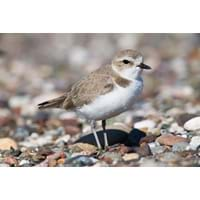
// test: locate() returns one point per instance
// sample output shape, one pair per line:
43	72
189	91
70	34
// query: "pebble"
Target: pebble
150	162
130	156
183	118
56	132
148	139
35	140
4	165
121	126
7	144
154	131
64	139
145	124
179	147
83	147
113	156
195	142
10	160
169	157
143	150
156	149
81	161
175	128
193	124
21	133
170	139
24	162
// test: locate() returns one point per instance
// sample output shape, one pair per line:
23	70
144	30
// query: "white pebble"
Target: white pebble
145	124
195	142
193	124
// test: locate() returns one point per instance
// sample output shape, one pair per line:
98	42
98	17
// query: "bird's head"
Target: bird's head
129	64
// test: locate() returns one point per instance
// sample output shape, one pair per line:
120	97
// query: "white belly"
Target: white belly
113	103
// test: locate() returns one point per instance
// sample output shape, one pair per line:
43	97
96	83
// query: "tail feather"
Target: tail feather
53	103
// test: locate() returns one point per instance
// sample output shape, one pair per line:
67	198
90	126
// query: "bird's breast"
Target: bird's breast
112	103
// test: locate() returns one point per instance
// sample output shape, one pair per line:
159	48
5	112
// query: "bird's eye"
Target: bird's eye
126	61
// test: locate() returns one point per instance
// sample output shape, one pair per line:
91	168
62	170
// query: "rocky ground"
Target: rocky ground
163	129
58	138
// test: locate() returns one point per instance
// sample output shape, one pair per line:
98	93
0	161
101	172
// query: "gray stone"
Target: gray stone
179	147
169	157
156	149
81	161
21	133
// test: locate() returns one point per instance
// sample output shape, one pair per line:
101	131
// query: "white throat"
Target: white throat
130	73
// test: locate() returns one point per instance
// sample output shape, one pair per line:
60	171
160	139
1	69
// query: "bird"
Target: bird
106	92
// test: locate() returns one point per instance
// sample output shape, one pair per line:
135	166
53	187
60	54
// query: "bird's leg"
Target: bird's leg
105	134
93	126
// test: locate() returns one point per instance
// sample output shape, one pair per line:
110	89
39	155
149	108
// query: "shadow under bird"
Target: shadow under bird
106	92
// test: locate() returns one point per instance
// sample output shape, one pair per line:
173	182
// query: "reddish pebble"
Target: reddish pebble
170	139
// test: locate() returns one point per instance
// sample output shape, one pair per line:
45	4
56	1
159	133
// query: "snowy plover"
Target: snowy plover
106	92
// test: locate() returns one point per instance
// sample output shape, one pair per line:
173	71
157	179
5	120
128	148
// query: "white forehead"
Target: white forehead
137	60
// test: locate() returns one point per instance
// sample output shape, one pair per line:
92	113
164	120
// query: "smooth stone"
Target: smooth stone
131	156
150	162
81	161
7	144
134	137
183	118
179	147
64	139
24	162
12	161
156	149
175	128
154	131
120	126
21	133
149	124
87	148
148	139
169	157
114	156
143	150
170	139
193	124
35	140
114	137
195	142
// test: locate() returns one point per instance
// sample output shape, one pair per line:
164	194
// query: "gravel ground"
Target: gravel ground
163	129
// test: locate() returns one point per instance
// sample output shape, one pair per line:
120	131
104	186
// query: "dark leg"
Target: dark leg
104	133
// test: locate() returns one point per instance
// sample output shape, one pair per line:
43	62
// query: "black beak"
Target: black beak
143	66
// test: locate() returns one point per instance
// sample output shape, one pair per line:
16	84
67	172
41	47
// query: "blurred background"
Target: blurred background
35	64
35	67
